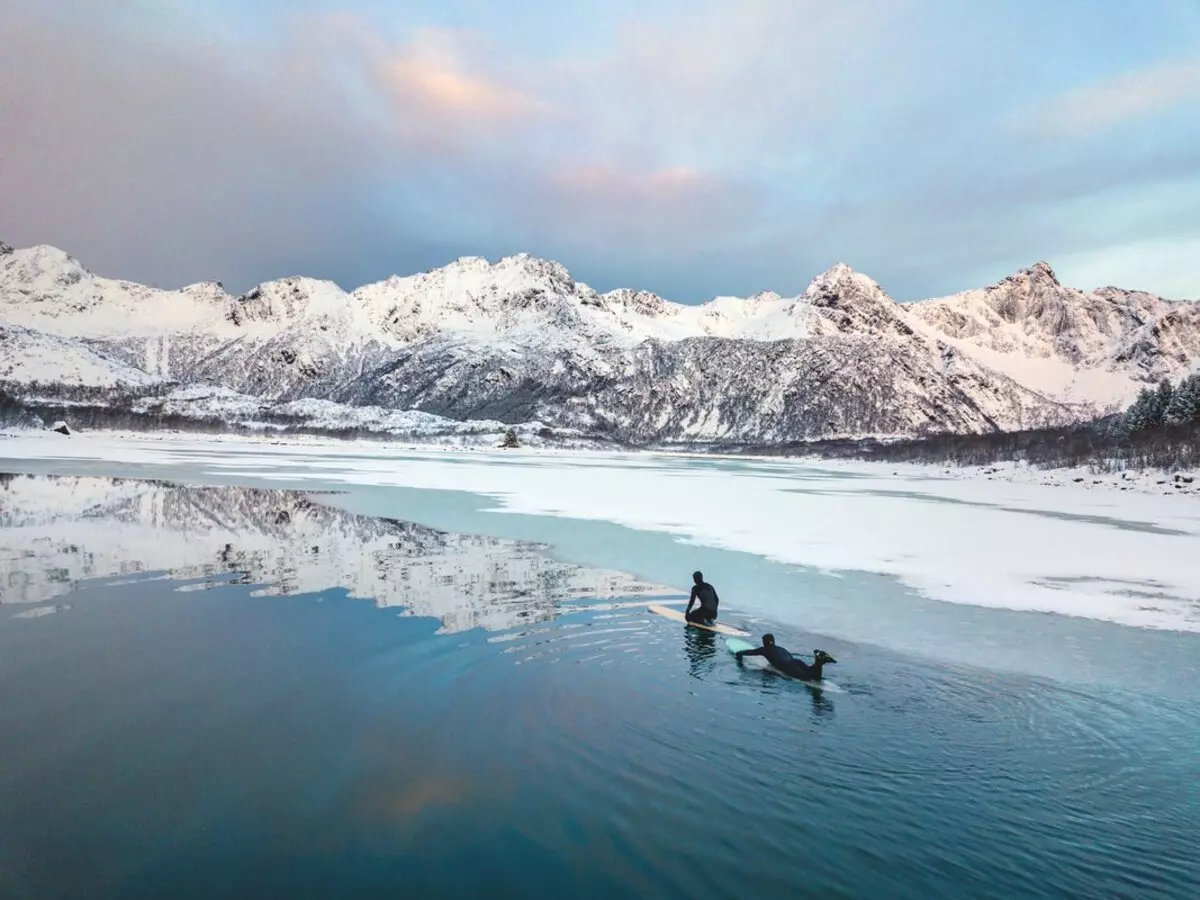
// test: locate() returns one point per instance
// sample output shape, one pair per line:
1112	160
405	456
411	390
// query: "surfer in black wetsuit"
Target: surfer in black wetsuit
706	595
782	660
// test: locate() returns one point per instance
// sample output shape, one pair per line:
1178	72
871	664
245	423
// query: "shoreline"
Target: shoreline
1152	481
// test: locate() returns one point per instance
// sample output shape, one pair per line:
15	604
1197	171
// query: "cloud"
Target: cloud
434	91
428	76
1139	94
690	148
325	150
760	78
168	160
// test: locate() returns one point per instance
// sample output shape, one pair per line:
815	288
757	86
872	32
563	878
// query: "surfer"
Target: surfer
781	659
706	595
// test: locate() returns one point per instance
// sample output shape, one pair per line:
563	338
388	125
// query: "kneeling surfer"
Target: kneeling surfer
706	594
782	660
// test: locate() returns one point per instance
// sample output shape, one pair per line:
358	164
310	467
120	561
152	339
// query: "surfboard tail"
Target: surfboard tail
680	617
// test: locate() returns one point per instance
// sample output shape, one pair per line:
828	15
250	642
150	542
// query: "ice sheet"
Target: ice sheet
1126	558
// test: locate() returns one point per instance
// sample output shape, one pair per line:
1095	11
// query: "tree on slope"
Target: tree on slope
1149	410
1184	407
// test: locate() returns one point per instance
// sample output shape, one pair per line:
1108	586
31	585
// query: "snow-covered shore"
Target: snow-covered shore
484	439
1076	478
205	412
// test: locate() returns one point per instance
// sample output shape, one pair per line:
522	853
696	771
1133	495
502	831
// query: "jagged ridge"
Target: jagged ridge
520	340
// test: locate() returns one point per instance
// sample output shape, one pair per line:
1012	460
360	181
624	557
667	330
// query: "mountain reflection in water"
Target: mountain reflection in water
58	531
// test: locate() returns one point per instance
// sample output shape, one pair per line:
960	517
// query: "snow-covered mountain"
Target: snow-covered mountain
1096	347
520	341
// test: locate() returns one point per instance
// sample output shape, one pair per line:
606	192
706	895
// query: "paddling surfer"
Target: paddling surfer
781	659
706	595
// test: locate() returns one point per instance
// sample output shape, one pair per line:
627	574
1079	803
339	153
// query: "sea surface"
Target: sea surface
220	689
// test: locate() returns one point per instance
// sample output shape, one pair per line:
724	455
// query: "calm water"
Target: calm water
248	693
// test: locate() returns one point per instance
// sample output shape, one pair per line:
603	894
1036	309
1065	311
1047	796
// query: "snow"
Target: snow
320	307
518	297
1066	343
1075	478
33	357
43	287
1047	374
1069	550
205	403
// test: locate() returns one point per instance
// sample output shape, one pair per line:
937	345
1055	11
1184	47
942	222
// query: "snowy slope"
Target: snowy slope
29	357
519	340
846	360
1099	347
202	403
42	287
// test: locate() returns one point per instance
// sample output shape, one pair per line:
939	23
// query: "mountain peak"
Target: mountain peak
202	287
48	254
644	303
1039	273
42	271
839	285
5	249
537	267
837	271
481	273
288	299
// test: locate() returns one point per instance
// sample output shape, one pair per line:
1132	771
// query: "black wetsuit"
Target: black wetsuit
706	612
780	659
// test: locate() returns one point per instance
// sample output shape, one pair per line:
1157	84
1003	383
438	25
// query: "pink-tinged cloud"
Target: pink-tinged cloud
431	89
1132	95
428	76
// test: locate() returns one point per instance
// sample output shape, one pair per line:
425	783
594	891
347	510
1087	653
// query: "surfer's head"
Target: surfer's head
698	577
768	640
820	656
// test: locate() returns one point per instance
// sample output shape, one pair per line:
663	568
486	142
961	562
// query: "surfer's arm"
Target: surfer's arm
757	651
691	600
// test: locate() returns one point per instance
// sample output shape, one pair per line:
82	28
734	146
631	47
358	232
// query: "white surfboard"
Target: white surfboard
678	616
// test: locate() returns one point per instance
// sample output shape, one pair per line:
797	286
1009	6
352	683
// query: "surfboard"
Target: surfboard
734	645
678	616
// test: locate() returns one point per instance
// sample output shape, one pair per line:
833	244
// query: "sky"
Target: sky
694	149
